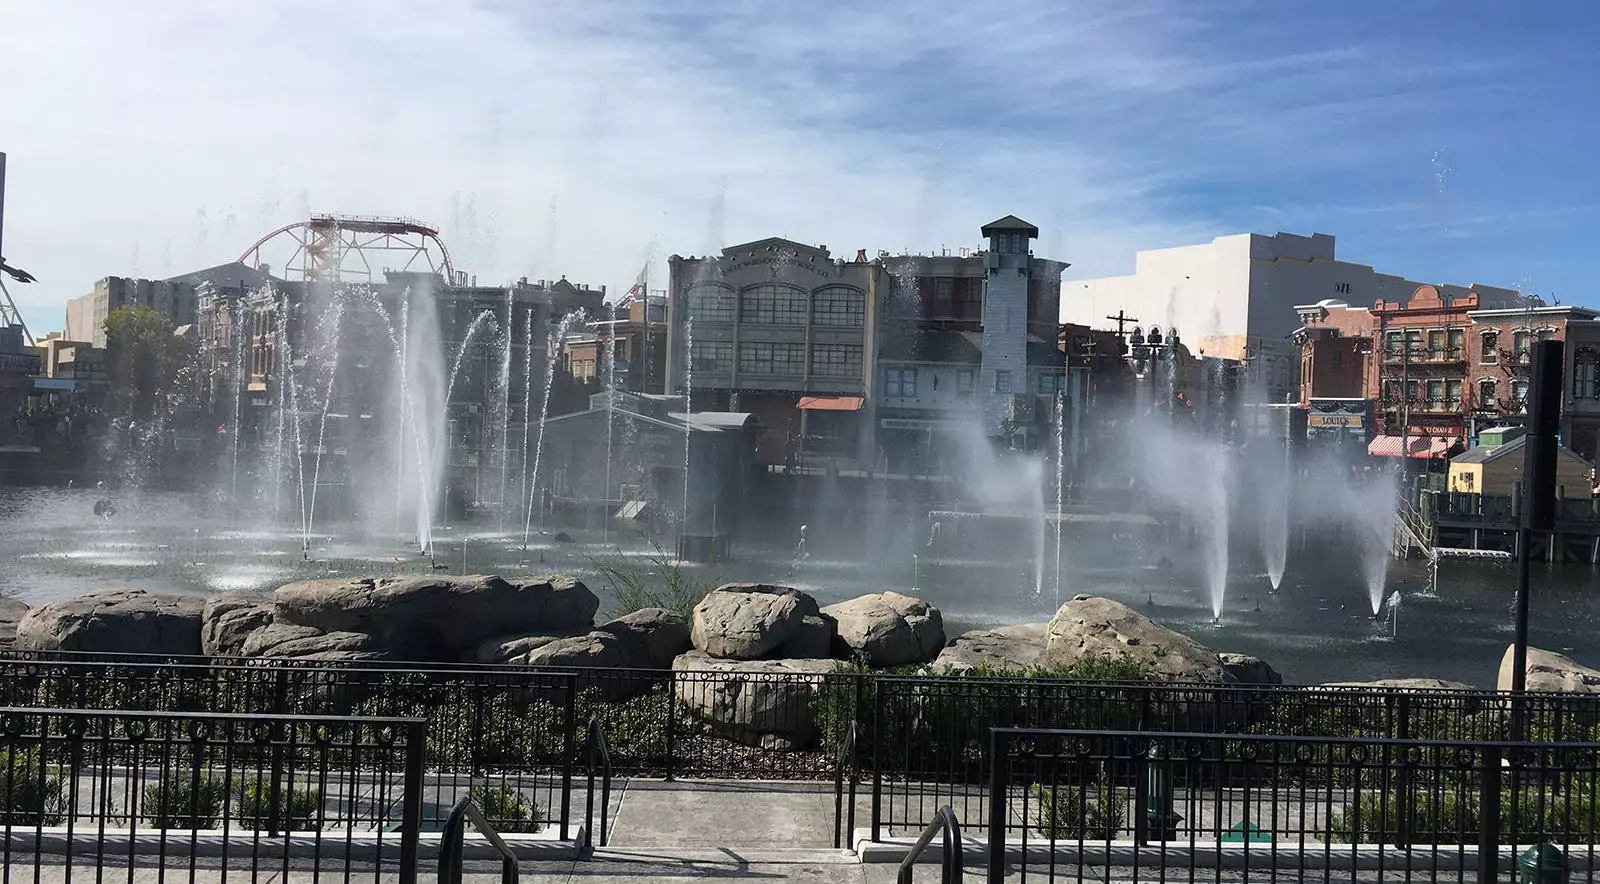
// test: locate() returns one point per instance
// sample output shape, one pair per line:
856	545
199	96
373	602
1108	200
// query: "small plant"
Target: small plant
183	802
661	584
29	794
1068	813
299	810
506	809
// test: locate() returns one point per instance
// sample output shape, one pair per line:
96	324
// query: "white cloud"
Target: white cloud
571	137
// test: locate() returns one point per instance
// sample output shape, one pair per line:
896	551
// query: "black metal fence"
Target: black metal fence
1188	806
928	737
196	795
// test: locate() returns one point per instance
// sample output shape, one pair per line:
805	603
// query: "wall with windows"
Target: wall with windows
928	385
772	316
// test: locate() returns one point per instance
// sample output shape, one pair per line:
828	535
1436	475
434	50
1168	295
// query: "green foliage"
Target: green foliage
636	728
1452	815
506	809
299	810
182	802
145	360
662	583
1069	813
29	794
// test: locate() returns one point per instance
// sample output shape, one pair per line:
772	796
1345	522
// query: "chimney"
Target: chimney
861	256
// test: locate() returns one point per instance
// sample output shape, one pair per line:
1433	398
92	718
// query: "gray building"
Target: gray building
769	323
175	299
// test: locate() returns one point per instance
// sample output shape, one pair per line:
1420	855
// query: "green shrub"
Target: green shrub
29	794
506	809
1068	813
299	810
635	728
662	583
182	802
1447	816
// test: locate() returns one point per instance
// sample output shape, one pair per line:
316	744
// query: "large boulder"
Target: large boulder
437	618
1550	672
228	619
766	703
595	649
287	641
1089	626
888	628
652	637
117	621
1247	670
1004	647
1402	685
751	621
11	613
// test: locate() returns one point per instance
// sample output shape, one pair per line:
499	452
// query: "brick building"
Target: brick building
1446	368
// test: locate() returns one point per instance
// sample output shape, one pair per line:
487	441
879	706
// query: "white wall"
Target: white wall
1242	284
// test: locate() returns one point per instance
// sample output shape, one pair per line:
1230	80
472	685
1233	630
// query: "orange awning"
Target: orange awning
1420	447
830	403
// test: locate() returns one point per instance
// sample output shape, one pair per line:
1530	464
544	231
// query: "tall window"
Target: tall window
941	289
1436	343
839	306
1583	374
1002	381
900	383
1486	392
766	359
1452	393
963	382
1395	344
1458	343
711	303
836	360
1522	345
1519	395
1491	348
773	305
1436	393
1049	384
714	357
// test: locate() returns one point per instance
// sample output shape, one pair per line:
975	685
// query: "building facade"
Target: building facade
1443	367
1239	293
765	324
86	315
639	330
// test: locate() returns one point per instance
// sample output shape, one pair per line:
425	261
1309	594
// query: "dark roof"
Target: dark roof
944	345
1486	453
934	345
1011	222
231	275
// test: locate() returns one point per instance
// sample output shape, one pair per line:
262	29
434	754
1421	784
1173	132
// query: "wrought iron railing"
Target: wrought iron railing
1190	806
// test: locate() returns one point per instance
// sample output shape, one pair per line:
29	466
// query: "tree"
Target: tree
145	360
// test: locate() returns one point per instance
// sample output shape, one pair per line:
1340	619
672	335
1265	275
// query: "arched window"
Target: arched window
1486	391
710	302
769	304
839	306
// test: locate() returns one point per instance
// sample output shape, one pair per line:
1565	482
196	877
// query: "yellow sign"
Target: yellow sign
1333	420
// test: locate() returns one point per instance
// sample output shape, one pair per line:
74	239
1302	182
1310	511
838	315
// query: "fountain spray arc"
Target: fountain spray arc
558	340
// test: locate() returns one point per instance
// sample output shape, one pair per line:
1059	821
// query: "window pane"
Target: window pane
836	360
762	358
838	306
773	305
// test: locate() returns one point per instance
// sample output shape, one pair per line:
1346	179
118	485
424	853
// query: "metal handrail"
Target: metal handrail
450	844
595	745
847	758
951	870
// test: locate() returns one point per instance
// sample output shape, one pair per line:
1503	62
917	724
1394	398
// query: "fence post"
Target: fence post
411	812
877	762
569	748
672	724
999	771
1489	818
1406	805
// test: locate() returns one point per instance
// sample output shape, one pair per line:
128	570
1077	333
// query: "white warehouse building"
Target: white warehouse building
1242	284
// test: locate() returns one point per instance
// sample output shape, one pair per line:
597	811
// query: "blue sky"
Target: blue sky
1440	141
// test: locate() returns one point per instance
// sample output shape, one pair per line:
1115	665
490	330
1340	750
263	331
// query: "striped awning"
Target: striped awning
1420	447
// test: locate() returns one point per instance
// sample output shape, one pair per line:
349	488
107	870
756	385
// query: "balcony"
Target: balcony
1420	355
1437	406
